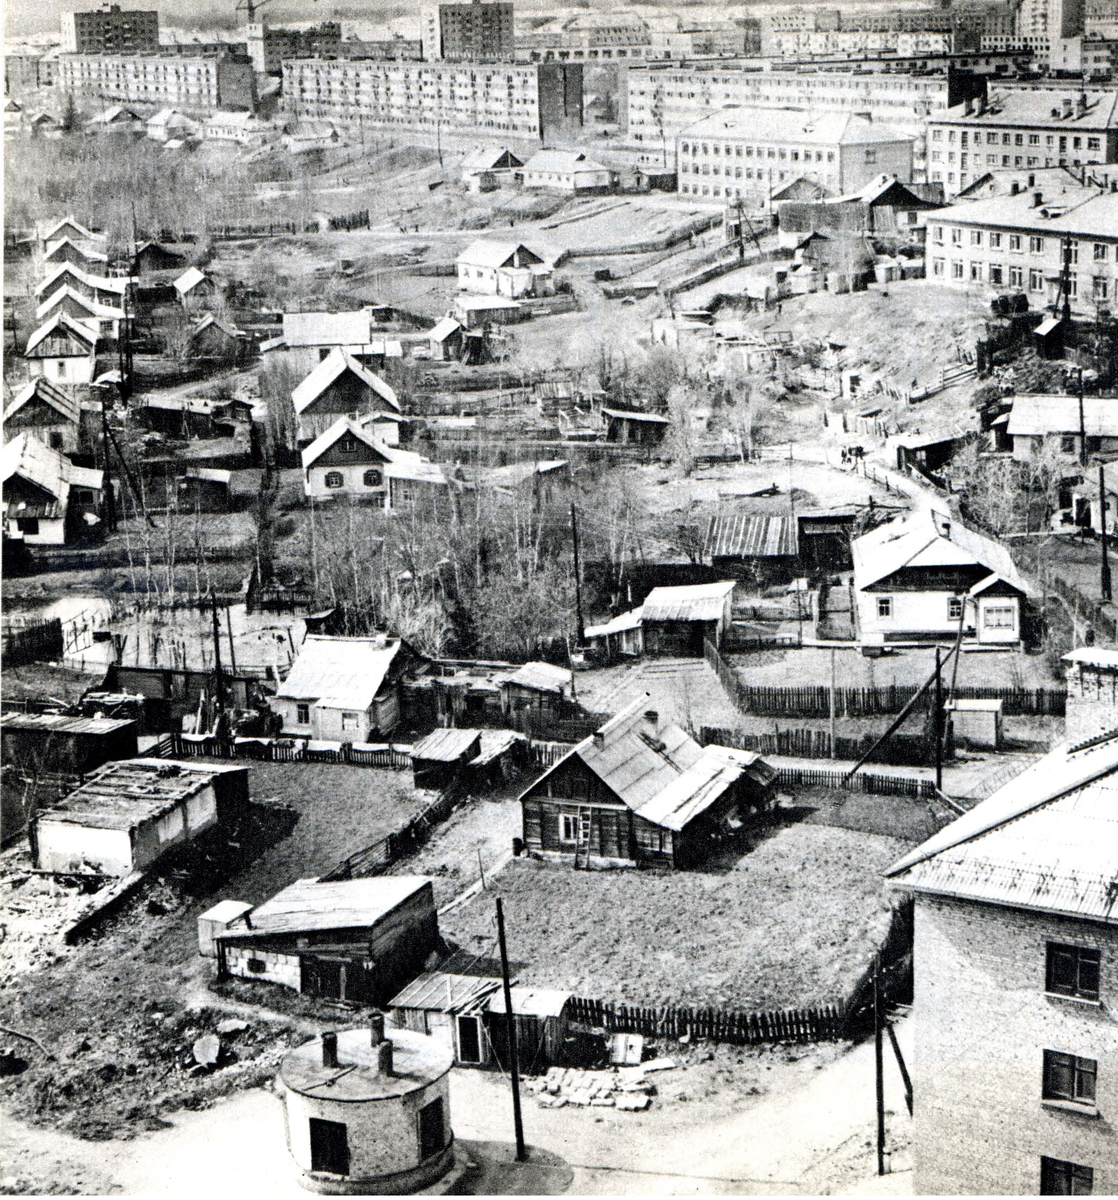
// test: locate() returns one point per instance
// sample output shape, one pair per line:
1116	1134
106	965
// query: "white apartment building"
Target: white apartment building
529	101
198	85
1021	128
747	153
1018	242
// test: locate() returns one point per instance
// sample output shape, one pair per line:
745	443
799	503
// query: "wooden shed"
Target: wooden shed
205	489
676	621
439	757
744	544
537	687
450	1008
46	742
542	1023
634	428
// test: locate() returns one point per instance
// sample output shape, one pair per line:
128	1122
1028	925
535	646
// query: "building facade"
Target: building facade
198	85
467	31
269	45
747	153
110	30
529	101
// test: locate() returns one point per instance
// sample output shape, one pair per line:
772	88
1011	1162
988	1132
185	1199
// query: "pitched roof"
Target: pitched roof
751	535
95	308
35	461
570	162
928	539
618	414
327	328
695	602
345	670
1027	108
48	234
444	329
438	991
488	252
335	364
657	770
189	280
85	252
1045	840
791	125
1093	656
310	904
1082	211
540	677
65	323
65	405
103	283
205	322
619	624
1034	416
487	158
447	745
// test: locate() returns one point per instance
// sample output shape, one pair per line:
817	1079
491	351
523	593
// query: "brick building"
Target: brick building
467	31
110	30
1015	1071
268	45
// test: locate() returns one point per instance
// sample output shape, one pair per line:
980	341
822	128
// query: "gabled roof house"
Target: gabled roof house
340	386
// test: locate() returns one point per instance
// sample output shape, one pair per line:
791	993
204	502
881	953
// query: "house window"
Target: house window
1067	443
1015	241
334	479
28	525
976	237
1100	252
1016	276
256	965
998	616
1060	1178
61	368
55	436
303	714
956	237
996	274
372	478
1036	281
1072	971
351	721
1069	1078
976	272
995	241
956	270
937	266
954	607
568	828
884	608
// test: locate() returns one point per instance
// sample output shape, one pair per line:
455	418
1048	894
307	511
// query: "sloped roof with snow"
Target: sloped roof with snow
488	252
334	365
65	324
571	162
65	405
189	280
342	426
1033	416
695	602
347	672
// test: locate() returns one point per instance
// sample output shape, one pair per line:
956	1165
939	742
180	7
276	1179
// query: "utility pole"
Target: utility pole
834	753
1107	593
1082	419
879	1065
510	1030
937	724
581	628
229	631
106	466
219	683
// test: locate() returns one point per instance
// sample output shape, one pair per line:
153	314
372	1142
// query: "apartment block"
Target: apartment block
467	31
748	153
110	30
268	45
1100	18
1018	243
1025	128
197	86
1015	958
528	101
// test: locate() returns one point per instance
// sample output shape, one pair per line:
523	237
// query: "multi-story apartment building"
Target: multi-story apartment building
1019	242
1019	127
1100	18
1038	25
616	36
530	101
197	86
467	31
268	45
1015	958
748	153
110	30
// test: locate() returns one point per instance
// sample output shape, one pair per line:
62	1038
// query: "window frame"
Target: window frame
1082	957
302	714
568	821
1081	1088
1051	1168
333	480
884	608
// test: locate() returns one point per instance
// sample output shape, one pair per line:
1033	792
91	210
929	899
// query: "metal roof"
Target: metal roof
334	365
189	280
540	677
1093	656
66	406
1045	840
50	471
618	414
570	161
447	745
312	453
444	329
619	624
310	904
531	1002
696	602
1033	416
348	670
751	535
488	252
327	328
53	723
438	991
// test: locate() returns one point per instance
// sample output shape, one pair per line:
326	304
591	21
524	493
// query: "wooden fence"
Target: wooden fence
175	745
37	641
874	783
825	1022
900	750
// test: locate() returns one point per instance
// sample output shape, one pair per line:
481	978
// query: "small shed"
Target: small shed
616	639
542	1022
538	687
449	1008
77	745
474	312
446	340
216	920
205	489
502	752
976	723
634	428
1048	337
764	544
676	621
437	759
193	285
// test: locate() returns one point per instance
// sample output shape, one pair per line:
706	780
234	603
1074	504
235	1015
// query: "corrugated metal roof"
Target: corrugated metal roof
540	677
1046	840
447	745
309	904
751	535
438	991
349	670
696	602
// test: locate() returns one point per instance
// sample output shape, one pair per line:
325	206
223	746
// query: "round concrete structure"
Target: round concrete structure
367	1111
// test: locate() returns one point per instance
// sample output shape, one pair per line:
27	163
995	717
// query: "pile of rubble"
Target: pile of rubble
626	1088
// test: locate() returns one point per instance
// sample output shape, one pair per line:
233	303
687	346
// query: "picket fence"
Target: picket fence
175	745
871	782
901	749
827	1022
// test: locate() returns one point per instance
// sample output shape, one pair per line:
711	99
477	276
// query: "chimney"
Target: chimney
1014	187
651	716
329	1049
1038	199
979	106
1067	107
968	107
376	1028
1081	104
1032	181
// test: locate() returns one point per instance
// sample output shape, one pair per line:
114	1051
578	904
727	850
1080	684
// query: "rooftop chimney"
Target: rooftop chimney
376	1028
1014	187
1081	104
329	1049
979	106
1038	199
1032	181
1067	106
651	716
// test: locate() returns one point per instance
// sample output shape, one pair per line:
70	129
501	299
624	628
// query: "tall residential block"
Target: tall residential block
467	31
197	86
110	29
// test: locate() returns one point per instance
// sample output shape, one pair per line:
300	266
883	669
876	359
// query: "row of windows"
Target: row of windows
734	172
999	138
1100	251
994	616
371	479
1013	276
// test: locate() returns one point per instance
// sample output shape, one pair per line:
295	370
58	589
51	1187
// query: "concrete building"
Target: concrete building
1100	18
382	1127
917	577
1016	972
747	153
1018	242
528	102
110	30
129	814
197	85
1092	683
268	45
1019	128
467	31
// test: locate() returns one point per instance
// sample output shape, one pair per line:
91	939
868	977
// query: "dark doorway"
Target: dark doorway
432	1135
329	1147
469	1039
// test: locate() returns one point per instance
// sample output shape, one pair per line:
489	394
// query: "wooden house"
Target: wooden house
641	792
477	312
70	745
438	759
108	290
194	287
47	413
152	257
497	268
205	489
617	639
824	538
214	339
104	319
46	499
129	814
345	689
536	687
348	460
357	940
62	351
634	428
339	386
496	162
1039	421
566	171
446	340
68	227
75	254
676	621
761	546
